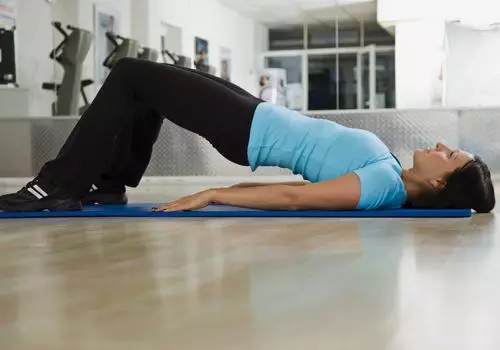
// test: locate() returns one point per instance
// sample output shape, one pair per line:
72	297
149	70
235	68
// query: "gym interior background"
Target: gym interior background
325	58
418	58
415	72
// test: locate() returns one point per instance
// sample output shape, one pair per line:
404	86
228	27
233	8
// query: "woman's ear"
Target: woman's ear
438	184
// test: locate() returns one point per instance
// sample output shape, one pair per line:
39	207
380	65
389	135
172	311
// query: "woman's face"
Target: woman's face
434	164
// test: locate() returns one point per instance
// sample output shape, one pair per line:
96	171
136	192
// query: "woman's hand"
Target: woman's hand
196	201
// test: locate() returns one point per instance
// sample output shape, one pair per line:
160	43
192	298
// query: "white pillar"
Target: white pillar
420	43
472	66
419	60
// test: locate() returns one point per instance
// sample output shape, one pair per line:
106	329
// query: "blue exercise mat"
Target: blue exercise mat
144	210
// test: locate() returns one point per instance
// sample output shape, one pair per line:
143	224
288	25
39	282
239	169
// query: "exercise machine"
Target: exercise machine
70	54
205	68
149	54
177	60
123	47
7	57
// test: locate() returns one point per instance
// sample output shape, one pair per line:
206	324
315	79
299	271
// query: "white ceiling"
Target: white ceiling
275	13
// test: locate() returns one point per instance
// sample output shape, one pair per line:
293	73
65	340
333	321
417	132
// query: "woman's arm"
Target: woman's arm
340	193
337	194
257	184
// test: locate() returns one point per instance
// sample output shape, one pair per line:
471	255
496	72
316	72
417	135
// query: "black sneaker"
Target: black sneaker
106	195
39	195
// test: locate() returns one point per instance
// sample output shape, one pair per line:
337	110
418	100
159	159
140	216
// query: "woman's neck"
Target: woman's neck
414	185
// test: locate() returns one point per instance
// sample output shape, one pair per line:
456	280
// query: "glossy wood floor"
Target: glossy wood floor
264	284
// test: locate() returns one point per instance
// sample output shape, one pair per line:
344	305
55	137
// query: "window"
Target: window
292	65
333	82
376	35
322	82
386	80
349	34
348	65
347	78
320	36
290	38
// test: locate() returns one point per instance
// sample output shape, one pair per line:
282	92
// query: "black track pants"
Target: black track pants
115	136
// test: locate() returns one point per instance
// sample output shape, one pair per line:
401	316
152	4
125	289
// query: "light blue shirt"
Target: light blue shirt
320	150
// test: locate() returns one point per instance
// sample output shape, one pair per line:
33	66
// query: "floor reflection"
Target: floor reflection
250	284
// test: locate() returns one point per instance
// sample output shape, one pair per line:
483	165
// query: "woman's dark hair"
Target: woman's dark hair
469	187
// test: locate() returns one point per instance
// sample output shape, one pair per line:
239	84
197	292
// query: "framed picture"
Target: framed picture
225	63
201	51
106	19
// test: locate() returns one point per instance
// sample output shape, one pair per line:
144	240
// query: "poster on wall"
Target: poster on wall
7	13
225	63
106	19
201	51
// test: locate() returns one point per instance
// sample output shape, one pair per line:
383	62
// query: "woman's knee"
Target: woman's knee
124	70
126	63
133	69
